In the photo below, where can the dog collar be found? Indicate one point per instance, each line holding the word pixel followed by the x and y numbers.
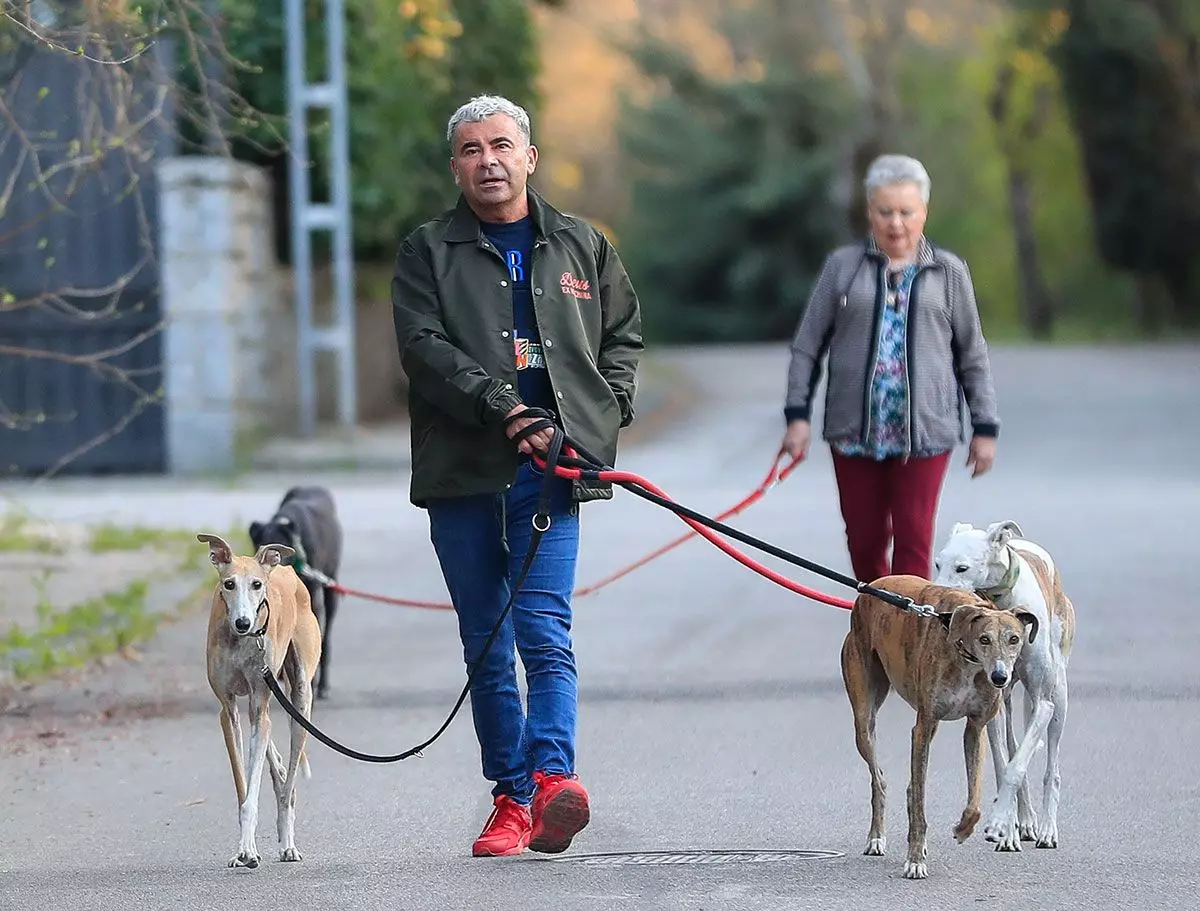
pixel 1005 585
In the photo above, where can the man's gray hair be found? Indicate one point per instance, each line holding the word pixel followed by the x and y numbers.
pixel 481 107
pixel 887 170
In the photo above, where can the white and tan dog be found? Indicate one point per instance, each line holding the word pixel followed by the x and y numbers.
pixel 947 667
pixel 261 617
pixel 1002 566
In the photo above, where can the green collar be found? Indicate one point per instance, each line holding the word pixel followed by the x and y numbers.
pixel 1005 585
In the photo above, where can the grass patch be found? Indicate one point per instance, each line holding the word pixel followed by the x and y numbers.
pixel 17 536
pixel 72 636
pixel 109 537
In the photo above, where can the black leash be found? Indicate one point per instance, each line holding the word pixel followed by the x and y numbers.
pixel 587 464
pixel 541 524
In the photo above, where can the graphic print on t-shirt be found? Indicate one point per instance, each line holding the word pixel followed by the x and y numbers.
pixel 528 351
pixel 515 242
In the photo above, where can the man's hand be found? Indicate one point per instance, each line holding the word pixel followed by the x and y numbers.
pixel 539 441
pixel 981 455
pixel 796 439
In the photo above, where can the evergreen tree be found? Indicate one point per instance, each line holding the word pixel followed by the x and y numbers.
pixel 731 210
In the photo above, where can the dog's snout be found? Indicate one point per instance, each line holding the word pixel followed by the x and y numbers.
pixel 999 677
pixel 241 624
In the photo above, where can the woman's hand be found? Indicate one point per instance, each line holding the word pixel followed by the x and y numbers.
pixel 981 455
pixel 796 439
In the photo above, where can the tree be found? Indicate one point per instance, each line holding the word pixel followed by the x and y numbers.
pixel 731 210
pixel 1131 72
pixel 409 64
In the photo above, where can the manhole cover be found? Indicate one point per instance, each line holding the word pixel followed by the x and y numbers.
pixel 666 858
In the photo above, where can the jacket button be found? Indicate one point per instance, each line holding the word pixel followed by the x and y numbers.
pixel 508 385
pixel 549 344
pixel 504 332
pixel 560 395
pixel 503 283
pixel 537 290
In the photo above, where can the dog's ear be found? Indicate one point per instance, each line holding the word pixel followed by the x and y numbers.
pixel 945 616
pixel 256 529
pixel 1030 621
pixel 220 553
pixel 961 527
pixel 1000 533
pixel 273 554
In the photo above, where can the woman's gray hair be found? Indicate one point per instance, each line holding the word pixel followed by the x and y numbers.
pixel 481 107
pixel 887 170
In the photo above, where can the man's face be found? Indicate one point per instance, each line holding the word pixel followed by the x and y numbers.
pixel 492 161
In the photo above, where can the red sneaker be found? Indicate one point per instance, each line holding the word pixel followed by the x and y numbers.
pixel 506 832
pixel 560 811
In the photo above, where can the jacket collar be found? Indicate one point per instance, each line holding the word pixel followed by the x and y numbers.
pixel 925 252
pixel 464 223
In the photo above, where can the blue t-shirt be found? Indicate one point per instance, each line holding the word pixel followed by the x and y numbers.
pixel 514 240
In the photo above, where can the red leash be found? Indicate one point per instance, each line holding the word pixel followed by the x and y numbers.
pixel 773 477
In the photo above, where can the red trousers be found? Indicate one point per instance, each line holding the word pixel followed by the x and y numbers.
pixel 889 502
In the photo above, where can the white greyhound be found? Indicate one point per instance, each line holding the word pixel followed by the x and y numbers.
pixel 1008 570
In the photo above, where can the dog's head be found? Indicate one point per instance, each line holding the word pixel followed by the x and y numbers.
pixel 278 530
pixel 973 558
pixel 242 581
pixel 990 637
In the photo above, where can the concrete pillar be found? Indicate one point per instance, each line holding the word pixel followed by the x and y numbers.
pixel 228 338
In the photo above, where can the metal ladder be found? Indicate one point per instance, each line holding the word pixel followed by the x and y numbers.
pixel 306 216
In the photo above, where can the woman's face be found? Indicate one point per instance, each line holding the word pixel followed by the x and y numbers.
pixel 897 216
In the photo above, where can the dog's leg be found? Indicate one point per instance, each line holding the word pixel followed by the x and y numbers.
pixel 330 600
pixel 1026 817
pixel 866 695
pixel 918 849
pixel 1048 831
pixel 1000 728
pixel 231 727
pixel 973 753
pixel 1004 804
pixel 260 737
pixel 301 696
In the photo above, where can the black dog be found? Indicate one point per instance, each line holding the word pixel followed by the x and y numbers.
pixel 307 520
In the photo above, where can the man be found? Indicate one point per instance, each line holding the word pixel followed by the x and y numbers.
pixel 502 304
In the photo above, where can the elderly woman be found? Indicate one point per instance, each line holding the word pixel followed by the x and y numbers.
pixel 898 319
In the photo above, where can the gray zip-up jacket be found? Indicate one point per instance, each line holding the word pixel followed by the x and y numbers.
pixel 946 355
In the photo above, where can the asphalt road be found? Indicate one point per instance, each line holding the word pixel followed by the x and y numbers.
pixel 713 715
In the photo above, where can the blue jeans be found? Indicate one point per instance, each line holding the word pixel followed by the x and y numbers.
pixel 481 543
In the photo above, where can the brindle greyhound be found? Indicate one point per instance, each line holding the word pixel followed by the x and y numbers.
pixel 261 617
pixel 947 667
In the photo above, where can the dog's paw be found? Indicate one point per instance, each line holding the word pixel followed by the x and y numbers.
pixel 1003 835
pixel 290 856
pixel 876 847
pixel 915 869
pixel 1048 837
pixel 247 859
pixel 966 825
pixel 1028 831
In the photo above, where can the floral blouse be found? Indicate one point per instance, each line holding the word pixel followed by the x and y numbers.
pixel 888 430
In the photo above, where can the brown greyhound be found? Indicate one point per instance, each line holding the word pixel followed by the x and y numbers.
pixel 261 617
pixel 951 666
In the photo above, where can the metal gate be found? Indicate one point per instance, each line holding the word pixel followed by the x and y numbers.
pixel 80 317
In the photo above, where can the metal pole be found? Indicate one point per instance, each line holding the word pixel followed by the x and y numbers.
pixel 343 257
pixel 298 186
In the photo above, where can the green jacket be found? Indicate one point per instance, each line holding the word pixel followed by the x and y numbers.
pixel 453 312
